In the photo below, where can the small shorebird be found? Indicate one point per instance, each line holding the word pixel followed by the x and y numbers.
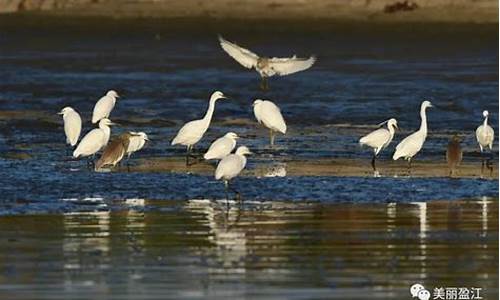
pixel 454 154
pixel 268 114
pixel 265 66
pixel 72 125
pixel 485 136
pixel 379 139
pixel 104 106
pixel 95 140
pixel 230 166
pixel 222 146
pixel 114 151
pixel 412 144
pixel 192 132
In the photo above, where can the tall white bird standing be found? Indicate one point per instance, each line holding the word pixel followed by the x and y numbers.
pixel 104 106
pixel 137 140
pixel 412 144
pixel 72 125
pixel 95 140
pixel 485 136
pixel 265 66
pixel 222 146
pixel 379 139
pixel 231 166
pixel 268 114
pixel 192 132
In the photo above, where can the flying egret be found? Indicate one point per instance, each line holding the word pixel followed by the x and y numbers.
pixel 230 166
pixel 95 140
pixel 454 154
pixel 379 139
pixel 485 135
pixel 193 131
pixel 268 114
pixel 104 106
pixel 136 142
pixel 222 146
pixel 412 144
pixel 115 151
pixel 72 125
pixel 266 66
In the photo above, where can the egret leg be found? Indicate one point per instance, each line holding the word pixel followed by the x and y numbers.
pixel 226 188
pixel 188 150
pixel 264 85
pixel 271 137
pixel 489 164
pixel 373 163
pixel 482 164
pixel 409 167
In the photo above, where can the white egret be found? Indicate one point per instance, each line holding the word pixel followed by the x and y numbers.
pixel 485 135
pixel 136 142
pixel 268 114
pixel 104 106
pixel 95 140
pixel 379 139
pixel 266 67
pixel 115 151
pixel 72 125
pixel 192 132
pixel 230 166
pixel 222 146
pixel 412 144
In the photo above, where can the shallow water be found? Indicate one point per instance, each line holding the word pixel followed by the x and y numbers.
pixel 69 232
pixel 286 250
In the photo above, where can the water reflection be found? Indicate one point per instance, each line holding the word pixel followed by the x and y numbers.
pixel 257 249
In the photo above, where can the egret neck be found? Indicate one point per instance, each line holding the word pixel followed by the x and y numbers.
pixel 423 124
pixel 208 115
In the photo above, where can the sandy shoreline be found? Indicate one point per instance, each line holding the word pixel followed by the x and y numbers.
pixel 339 167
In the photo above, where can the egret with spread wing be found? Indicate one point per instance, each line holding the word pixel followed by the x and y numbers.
pixel 266 66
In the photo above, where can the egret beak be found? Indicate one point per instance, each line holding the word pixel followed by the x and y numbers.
pixel 60 113
pixel 113 123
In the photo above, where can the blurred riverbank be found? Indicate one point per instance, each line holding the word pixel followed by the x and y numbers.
pixel 462 11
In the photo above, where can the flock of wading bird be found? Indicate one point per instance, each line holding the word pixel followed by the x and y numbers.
pixel 266 112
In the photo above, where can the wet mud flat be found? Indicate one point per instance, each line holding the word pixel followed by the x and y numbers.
pixel 197 249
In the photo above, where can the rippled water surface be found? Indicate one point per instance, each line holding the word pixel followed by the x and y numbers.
pixel 68 232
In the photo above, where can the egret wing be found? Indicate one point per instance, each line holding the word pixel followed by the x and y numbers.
pixel 91 143
pixel 102 109
pixel 270 114
pixel 220 148
pixel 72 127
pixel 376 139
pixel 245 57
pixel 229 167
pixel 285 66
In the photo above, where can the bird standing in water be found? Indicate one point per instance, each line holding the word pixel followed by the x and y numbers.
pixel 454 154
pixel 485 136
pixel 231 166
pixel 412 144
pixel 104 106
pixel 192 132
pixel 269 114
pixel 266 67
pixel 114 151
pixel 379 139
pixel 72 125
pixel 222 146
pixel 95 140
